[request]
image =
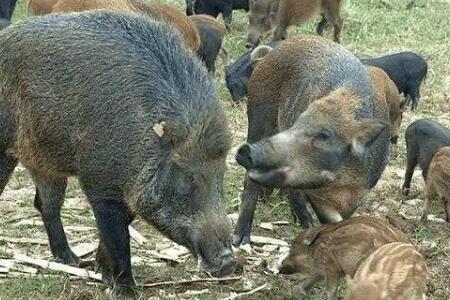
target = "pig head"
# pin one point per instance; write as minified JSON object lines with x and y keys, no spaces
{"x":325,"y":140}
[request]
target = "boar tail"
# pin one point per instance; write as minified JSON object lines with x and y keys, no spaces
{"x":259,"y":53}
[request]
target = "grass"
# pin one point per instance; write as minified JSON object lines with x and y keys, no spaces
{"x":371,"y":28}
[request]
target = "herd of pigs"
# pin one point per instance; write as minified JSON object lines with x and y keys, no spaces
{"x":113,"y":94}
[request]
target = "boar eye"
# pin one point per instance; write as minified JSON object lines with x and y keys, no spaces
{"x":322,"y":135}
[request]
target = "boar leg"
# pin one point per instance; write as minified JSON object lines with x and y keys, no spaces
{"x":7,"y":166}
{"x":104,"y":263}
{"x":332,"y":285}
{"x":332,"y":15}
{"x":253,"y":193}
{"x":48,"y":201}
{"x":414,"y":95}
{"x":297,"y":201}
{"x":321,"y":25}
{"x":113,"y":219}
{"x":227,"y":15}
{"x":411,"y":164}
{"x":280,"y":32}
{"x":429,"y":191}
{"x":447,"y":209}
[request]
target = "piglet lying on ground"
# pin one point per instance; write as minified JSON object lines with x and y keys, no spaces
{"x":394,"y":271}
{"x":333,"y":250}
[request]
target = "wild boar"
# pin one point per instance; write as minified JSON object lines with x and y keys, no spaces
{"x":438,"y":181}
{"x":163,"y":13}
{"x":407,"y":70}
{"x":211,"y":33}
{"x":238,"y":74}
{"x":395,"y":271}
{"x":314,"y":128}
{"x":290,"y":12}
{"x":7,"y":9}
{"x":423,"y":139}
{"x":386,"y":91}
{"x":141,"y":142}
{"x":331,"y":251}
{"x":216,"y":7}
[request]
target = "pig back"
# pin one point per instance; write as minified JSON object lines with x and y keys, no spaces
{"x":302,"y":70}
{"x":111,"y":77}
{"x":351,"y":241}
{"x":393,"y":271}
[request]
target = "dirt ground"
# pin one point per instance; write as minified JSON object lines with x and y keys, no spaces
{"x":371,"y":28}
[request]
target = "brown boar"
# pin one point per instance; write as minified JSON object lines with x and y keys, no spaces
{"x":386,"y":91}
{"x":40,"y":7}
{"x":395,"y":271}
{"x":163,"y":13}
{"x":290,"y":12}
{"x":438,"y":182}
{"x":314,"y":128}
{"x":334,"y":250}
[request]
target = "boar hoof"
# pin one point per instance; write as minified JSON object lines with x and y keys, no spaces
{"x":240,"y":239}
{"x":405,"y":191}
{"x":424,"y":219}
{"x":305,"y":220}
{"x":68,"y":258}
{"x":121,"y":292}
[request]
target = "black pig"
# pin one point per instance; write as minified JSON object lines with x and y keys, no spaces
{"x":238,"y":74}
{"x":216,"y":7}
{"x":7,"y":9}
{"x":423,"y":139}
{"x":139,"y":124}
{"x":211,"y":33}
{"x":406,"y":69}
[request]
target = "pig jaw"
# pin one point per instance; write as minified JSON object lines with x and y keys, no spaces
{"x":207,"y":236}
{"x":268,"y":165}
{"x":210,"y":243}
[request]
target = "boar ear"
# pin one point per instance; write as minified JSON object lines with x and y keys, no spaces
{"x":311,"y":235}
{"x":368,"y":132}
{"x":259,"y":53}
{"x":171,"y":131}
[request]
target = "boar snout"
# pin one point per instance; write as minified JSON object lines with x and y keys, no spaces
{"x":244,"y":156}
{"x":228,"y":265}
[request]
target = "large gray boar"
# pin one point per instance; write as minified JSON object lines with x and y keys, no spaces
{"x":117,"y":101}
{"x":314,"y":128}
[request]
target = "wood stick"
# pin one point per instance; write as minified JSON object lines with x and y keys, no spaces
{"x":57,"y":267}
{"x":12,"y":264}
{"x":84,"y":249}
{"x":140,"y":239}
{"x":181,"y":282}
{"x":267,"y":240}
{"x":246,"y":293}
{"x":22,"y":240}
